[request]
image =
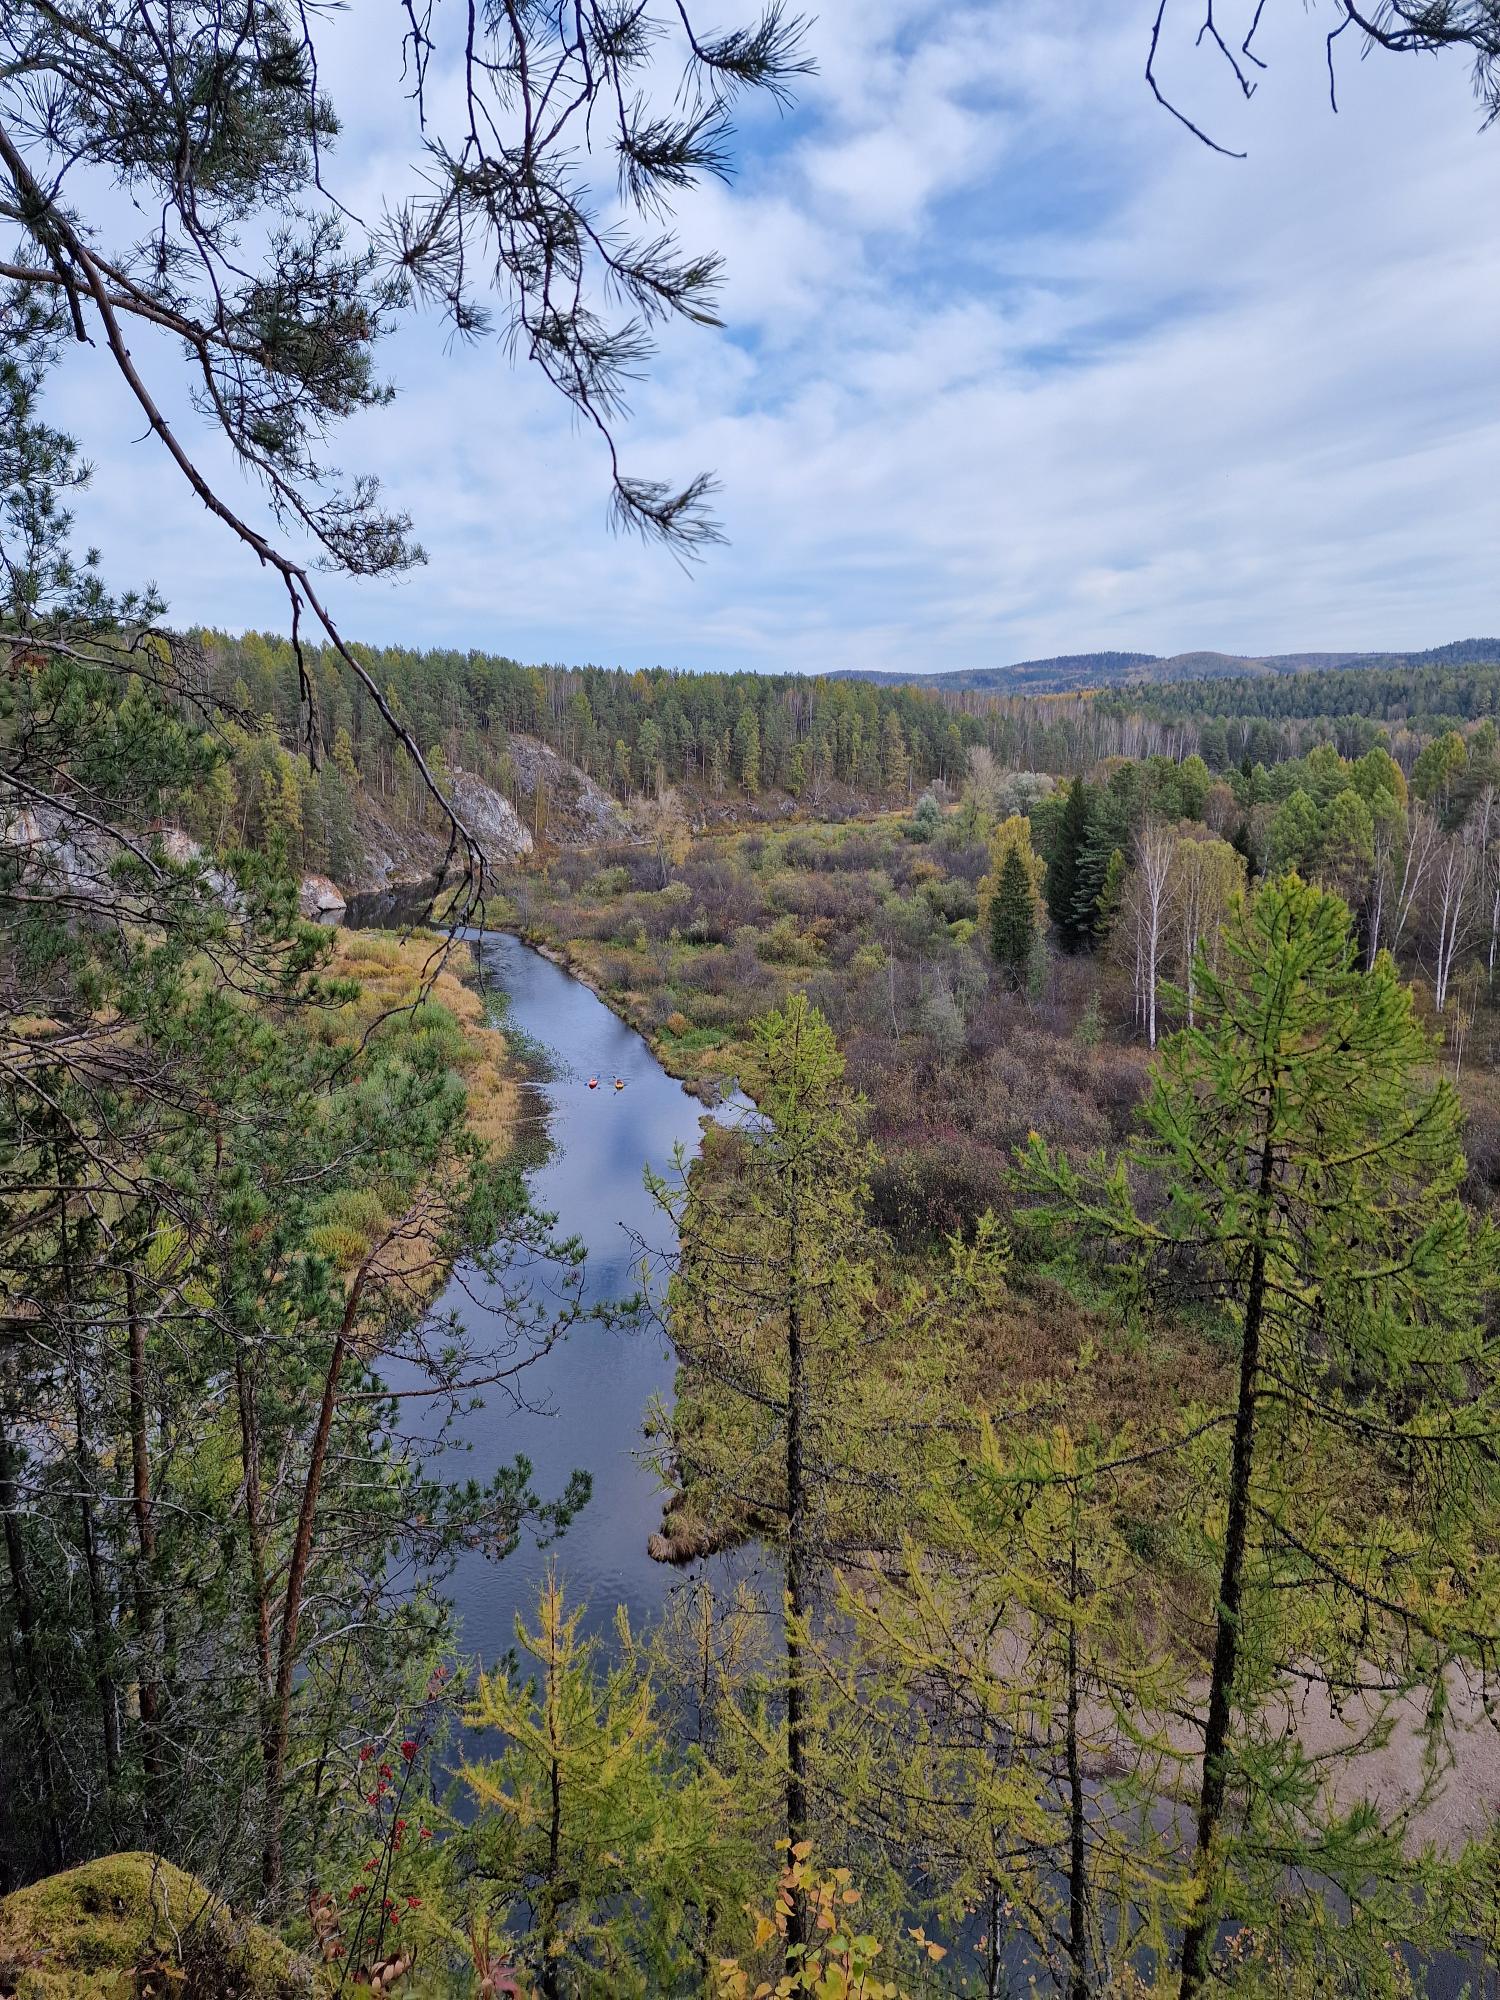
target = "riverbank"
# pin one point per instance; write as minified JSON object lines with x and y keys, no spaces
{"x":704,"y":1073}
{"x":680,"y":1538}
{"x":583,"y":1404}
{"x":709,"y":1082}
{"x":398,"y":976}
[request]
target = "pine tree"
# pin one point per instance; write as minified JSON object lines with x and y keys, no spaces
{"x":747,"y":750}
{"x":1012,"y":930}
{"x":895,"y":765}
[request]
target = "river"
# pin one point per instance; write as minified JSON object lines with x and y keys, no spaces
{"x":586,"y":1398}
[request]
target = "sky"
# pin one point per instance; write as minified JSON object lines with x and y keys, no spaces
{"x":1011,"y":366}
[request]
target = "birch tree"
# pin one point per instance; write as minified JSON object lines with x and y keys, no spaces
{"x":1454,"y":872}
{"x":1209,"y":873}
{"x":1146,"y":918}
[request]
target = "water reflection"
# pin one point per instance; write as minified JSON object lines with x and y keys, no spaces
{"x":586,"y":1399}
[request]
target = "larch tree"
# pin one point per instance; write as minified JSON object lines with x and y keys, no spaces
{"x":1209,"y":875}
{"x":591,"y":1833}
{"x":1013,"y":835}
{"x":1304,"y":1175}
{"x":811,"y":1391}
{"x":1016,"y":1651}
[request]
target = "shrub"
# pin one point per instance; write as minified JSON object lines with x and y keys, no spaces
{"x":785,"y":943}
{"x":935,"y":1191}
{"x":952,"y":899}
{"x":342,"y":1246}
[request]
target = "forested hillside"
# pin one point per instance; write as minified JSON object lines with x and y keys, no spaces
{"x":1069,"y":672}
{"x":1397,"y":693}
{"x":736,"y":745}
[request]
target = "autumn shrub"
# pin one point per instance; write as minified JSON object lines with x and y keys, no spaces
{"x":370,"y":948}
{"x":431,"y":1031}
{"x":663,"y":911}
{"x":573,"y":868}
{"x":618,"y":970}
{"x":729,"y":970}
{"x":848,"y":900}
{"x":1478,"y":1086}
{"x":714,"y":1010}
{"x":342,"y":1246}
{"x":802,"y":850}
{"x":640,"y":867}
{"x":357,"y":1208}
{"x":907,"y":925}
{"x":950,"y":899}
{"x":935,"y":1190}
{"x":855,"y":851}
{"x":722,"y":899}
{"x":786,"y":943}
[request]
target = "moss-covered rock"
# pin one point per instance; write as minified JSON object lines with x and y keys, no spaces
{"x":132,"y":1925}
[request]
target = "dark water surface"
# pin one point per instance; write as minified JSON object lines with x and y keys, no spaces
{"x":586,"y":1398}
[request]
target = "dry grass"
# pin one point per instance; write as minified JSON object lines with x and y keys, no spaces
{"x":412,"y":986}
{"x":397,"y":973}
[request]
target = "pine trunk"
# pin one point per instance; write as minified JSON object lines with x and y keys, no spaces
{"x":149,"y":1694}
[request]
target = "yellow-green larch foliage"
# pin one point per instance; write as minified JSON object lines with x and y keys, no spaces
{"x":1017,"y":1672}
{"x":812,"y":1390}
{"x":1013,"y":836}
{"x":1298,"y":1177}
{"x":609,"y":1849}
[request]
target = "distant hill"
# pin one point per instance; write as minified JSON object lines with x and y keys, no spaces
{"x":1069,"y":672}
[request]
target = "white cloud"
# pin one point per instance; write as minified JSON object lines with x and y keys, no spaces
{"x":1014,"y":366}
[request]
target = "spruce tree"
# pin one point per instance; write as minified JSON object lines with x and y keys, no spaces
{"x":1063,"y":868}
{"x":1105,"y":908}
{"x":1013,"y":919}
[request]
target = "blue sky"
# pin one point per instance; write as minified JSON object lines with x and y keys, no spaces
{"x":1012,"y":366}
